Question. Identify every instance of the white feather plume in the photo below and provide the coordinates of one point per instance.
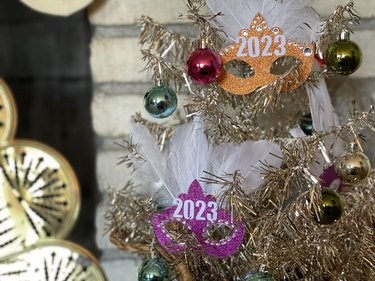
(153, 167)
(298, 21)
(322, 111)
(189, 156)
(324, 118)
(189, 153)
(246, 158)
(297, 132)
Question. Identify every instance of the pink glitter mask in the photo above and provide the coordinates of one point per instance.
(198, 213)
(330, 179)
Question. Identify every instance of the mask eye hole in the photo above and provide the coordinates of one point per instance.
(283, 64)
(239, 68)
(176, 228)
(218, 232)
(177, 231)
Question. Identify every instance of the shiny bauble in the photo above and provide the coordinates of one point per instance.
(353, 167)
(160, 101)
(204, 66)
(332, 207)
(343, 57)
(257, 276)
(320, 59)
(153, 269)
(306, 124)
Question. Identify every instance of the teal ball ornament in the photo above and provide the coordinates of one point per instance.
(343, 57)
(257, 276)
(306, 124)
(153, 269)
(160, 101)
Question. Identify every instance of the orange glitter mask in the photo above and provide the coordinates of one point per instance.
(260, 47)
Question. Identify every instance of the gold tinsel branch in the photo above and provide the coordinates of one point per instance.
(129, 215)
(214, 36)
(162, 48)
(161, 133)
(341, 19)
(233, 118)
(280, 217)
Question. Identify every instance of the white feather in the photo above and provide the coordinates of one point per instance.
(297, 132)
(246, 158)
(298, 21)
(323, 118)
(153, 168)
(189, 155)
(324, 115)
(322, 111)
(189, 152)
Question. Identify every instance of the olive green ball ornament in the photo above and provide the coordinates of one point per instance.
(160, 101)
(353, 167)
(332, 207)
(153, 269)
(257, 276)
(343, 57)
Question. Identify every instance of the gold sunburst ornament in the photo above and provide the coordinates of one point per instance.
(57, 7)
(39, 195)
(8, 113)
(52, 260)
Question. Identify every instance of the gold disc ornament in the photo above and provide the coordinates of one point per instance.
(39, 195)
(51, 260)
(261, 47)
(8, 113)
(57, 7)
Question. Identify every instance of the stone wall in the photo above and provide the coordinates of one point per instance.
(120, 86)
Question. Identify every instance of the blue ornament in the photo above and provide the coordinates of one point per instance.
(306, 124)
(160, 101)
(153, 269)
(257, 276)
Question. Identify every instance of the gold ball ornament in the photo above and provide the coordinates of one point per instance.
(353, 167)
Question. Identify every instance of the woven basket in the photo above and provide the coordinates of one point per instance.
(183, 272)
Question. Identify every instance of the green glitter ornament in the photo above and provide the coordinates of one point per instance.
(160, 101)
(153, 269)
(344, 56)
(332, 207)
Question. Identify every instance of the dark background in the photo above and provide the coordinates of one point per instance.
(45, 61)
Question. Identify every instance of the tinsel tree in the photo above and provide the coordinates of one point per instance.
(260, 181)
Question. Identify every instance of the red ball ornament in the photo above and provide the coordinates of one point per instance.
(204, 66)
(320, 59)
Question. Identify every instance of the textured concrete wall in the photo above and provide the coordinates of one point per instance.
(120, 85)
